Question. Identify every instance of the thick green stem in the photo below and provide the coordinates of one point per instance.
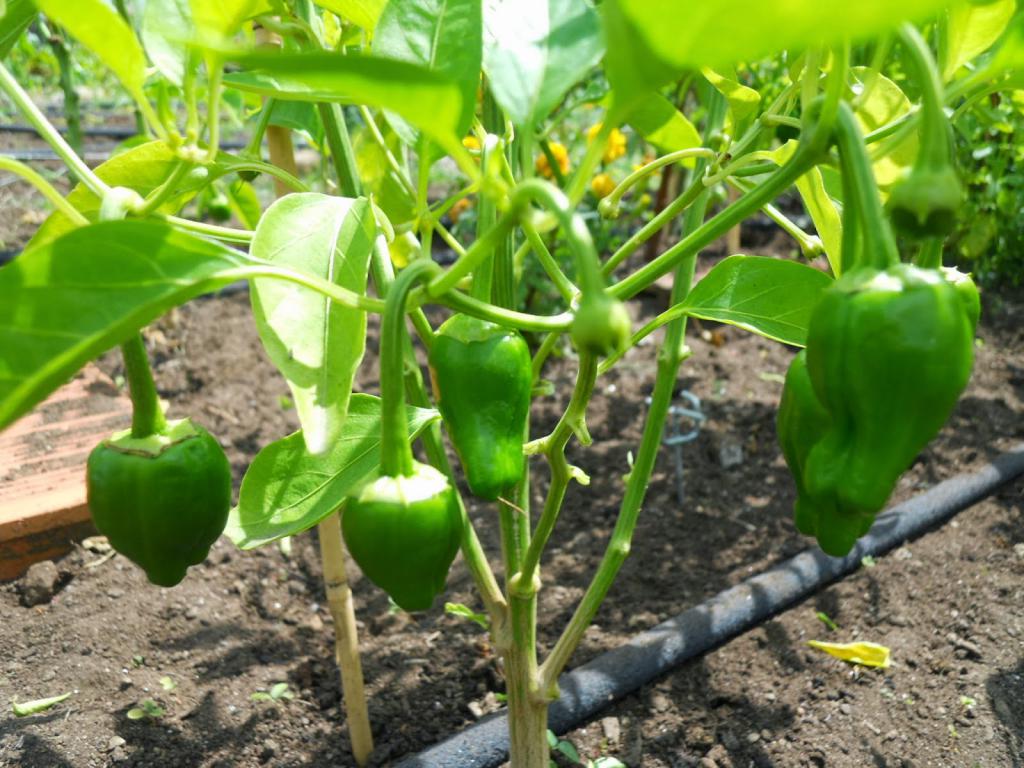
(486, 217)
(573, 421)
(396, 453)
(527, 710)
(563, 284)
(72, 114)
(215, 73)
(341, 149)
(669, 356)
(878, 245)
(147, 415)
(930, 255)
(935, 150)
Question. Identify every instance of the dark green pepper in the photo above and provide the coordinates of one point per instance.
(404, 528)
(482, 378)
(404, 532)
(888, 354)
(801, 422)
(161, 500)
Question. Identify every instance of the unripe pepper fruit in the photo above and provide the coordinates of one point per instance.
(404, 532)
(888, 354)
(482, 379)
(161, 501)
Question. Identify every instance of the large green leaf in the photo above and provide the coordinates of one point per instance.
(971, 29)
(443, 36)
(426, 99)
(219, 19)
(14, 20)
(98, 27)
(536, 50)
(315, 343)
(713, 33)
(287, 490)
(771, 297)
(66, 302)
(166, 26)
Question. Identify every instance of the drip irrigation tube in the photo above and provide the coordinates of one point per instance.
(591, 687)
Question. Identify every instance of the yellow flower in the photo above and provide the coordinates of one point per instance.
(561, 155)
(602, 185)
(457, 210)
(471, 142)
(615, 146)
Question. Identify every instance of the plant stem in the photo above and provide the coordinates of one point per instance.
(227, 234)
(879, 246)
(669, 356)
(472, 551)
(782, 179)
(72, 114)
(159, 196)
(346, 647)
(336, 132)
(935, 150)
(147, 415)
(572, 421)
(49, 134)
(563, 284)
(36, 180)
(215, 72)
(396, 453)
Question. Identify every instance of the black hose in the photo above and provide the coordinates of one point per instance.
(588, 689)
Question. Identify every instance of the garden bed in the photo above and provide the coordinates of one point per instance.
(948, 605)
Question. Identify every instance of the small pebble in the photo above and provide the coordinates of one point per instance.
(114, 743)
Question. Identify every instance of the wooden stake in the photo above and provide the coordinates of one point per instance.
(332, 551)
(346, 646)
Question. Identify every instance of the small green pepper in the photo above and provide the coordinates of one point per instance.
(161, 500)
(482, 379)
(404, 532)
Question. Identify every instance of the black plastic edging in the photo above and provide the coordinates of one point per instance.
(593, 686)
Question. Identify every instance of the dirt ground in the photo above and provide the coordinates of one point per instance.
(948, 605)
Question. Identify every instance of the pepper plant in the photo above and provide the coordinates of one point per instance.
(399, 95)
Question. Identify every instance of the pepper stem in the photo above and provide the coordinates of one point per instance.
(935, 150)
(877, 246)
(395, 452)
(147, 415)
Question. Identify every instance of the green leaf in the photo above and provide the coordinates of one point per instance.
(464, 612)
(535, 51)
(299, 116)
(287, 490)
(743, 101)
(715, 33)
(68, 301)
(166, 25)
(770, 297)
(972, 28)
(820, 206)
(569, 750)
(426, 99)
(98, 27)
(244, 203)
(379, 179)
(315, 343)
(885, 103)
(142, 168)
(13, 22)
(363, 13)
(663, 125)
(442, 36)
(219, 19)
(629, 64)
(34, 707)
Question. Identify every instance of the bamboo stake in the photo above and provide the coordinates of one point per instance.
(346, 645)
(332, 551)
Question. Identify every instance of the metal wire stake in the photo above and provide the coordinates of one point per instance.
(676, 438)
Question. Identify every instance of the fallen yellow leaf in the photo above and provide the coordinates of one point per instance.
(866, 654)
